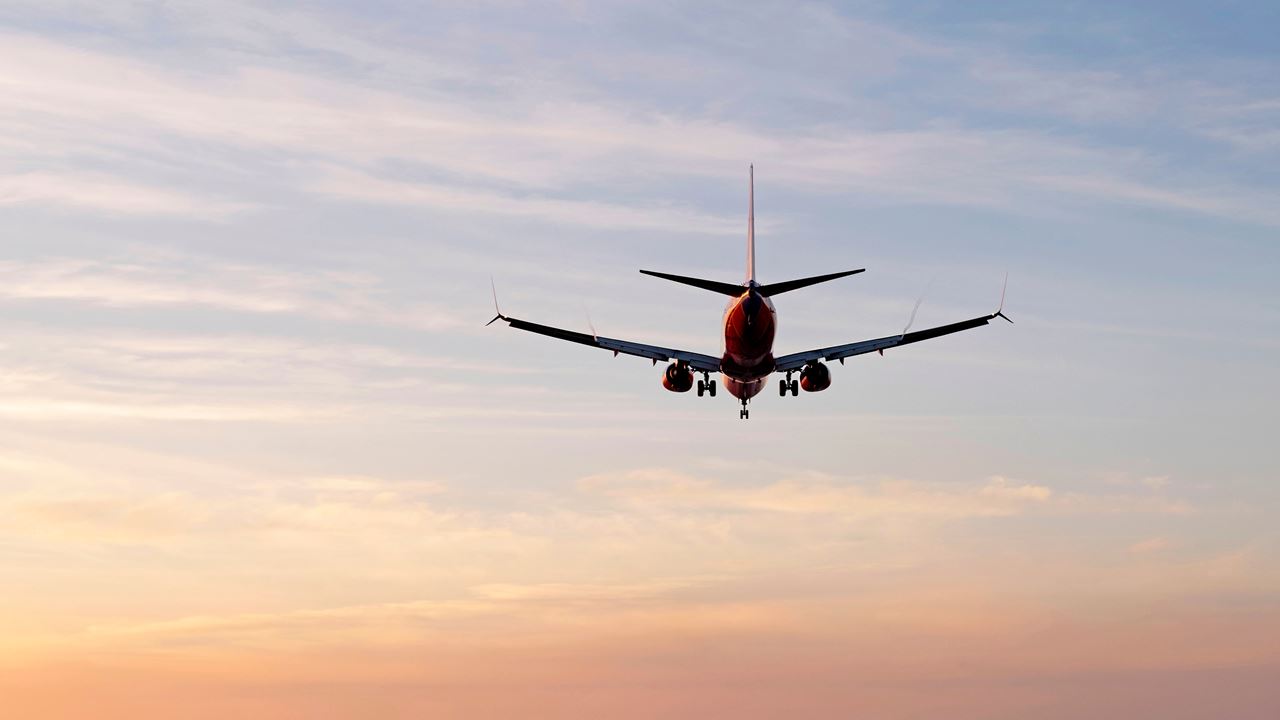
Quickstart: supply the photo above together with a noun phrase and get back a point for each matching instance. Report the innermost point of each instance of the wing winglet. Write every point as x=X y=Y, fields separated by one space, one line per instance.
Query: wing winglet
x=496 y=309
x=999 y=313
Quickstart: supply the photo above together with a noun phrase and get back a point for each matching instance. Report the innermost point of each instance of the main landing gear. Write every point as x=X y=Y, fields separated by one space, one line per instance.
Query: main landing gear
x=743 y=414
x=706 y=385
x=787 y=385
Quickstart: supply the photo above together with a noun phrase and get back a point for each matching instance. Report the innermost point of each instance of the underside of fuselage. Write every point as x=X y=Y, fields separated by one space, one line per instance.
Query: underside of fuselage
x=742 y=389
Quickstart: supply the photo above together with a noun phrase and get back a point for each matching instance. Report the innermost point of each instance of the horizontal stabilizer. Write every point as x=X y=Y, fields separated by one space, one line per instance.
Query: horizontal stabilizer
x=766 y=290
x=789 y=285
x=714 y=286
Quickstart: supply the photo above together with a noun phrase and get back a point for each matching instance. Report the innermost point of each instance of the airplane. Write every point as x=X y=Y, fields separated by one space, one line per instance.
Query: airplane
x=750 y=322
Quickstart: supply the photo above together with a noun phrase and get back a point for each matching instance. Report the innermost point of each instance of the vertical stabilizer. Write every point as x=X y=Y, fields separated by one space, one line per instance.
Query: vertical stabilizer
x=751 y=223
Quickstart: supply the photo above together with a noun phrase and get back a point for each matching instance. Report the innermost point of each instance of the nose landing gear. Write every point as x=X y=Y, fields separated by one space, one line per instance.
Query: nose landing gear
x=744 y=414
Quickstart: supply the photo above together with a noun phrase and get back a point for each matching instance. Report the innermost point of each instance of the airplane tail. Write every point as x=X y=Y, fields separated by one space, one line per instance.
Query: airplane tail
x=766 y=290
x=751 y=223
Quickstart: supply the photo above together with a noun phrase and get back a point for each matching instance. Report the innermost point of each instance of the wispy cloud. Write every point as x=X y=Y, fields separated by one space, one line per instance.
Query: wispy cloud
x=475 y=151
x=353 y=186
x=889 y=497
x=63 y=410
x=994 y=497
x=108 y=518
x=167 y=279
x=112 y=195
x=578 y=593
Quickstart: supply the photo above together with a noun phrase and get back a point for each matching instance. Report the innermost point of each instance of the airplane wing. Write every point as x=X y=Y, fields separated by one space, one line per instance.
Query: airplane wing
x=696 y=361
x=839 y=352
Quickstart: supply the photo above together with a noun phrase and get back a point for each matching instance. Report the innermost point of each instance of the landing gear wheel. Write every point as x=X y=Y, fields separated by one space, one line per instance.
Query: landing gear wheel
x=787 y=385
x=702 y=387
x=711 y=388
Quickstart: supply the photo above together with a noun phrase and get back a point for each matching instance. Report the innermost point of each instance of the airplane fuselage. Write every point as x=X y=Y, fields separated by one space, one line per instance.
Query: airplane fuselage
x=750 y=323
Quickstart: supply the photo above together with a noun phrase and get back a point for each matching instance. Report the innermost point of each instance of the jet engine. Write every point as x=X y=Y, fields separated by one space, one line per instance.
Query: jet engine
x=815 y=377
x=677 y=378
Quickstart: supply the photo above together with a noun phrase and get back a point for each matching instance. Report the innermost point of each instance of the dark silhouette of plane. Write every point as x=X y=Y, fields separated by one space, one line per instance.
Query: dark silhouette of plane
x=750 y=322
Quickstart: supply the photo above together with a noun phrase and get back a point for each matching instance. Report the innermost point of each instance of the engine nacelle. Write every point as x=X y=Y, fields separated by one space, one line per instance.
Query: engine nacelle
x=815 y=377
x=677 y=378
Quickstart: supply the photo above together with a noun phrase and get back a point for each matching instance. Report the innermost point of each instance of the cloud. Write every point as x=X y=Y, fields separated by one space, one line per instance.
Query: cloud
x=530 y=154
x=651 y=568
x=1155 y=482
x=1150 y=482
x=105 y=376
x=372 y=623
x=586 y=593
x=110 y=519
x=998 y=486
x=1125 y=504
x=824 y=496
x=1242 y=202
x=111 y=195
x=43 y=409
x=60 y=362
x=363 y=187
x=169 y=279
x=884 y=498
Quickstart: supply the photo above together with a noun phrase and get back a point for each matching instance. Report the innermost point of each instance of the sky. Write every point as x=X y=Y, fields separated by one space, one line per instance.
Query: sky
x=259 y=456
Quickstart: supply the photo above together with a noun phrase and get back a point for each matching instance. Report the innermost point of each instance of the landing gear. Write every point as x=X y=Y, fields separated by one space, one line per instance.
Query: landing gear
x=787 y=385
x=707 y=386
x=743 y=414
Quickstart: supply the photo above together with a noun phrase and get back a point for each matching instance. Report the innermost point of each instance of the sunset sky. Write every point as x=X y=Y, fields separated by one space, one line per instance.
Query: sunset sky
x=259 y=456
